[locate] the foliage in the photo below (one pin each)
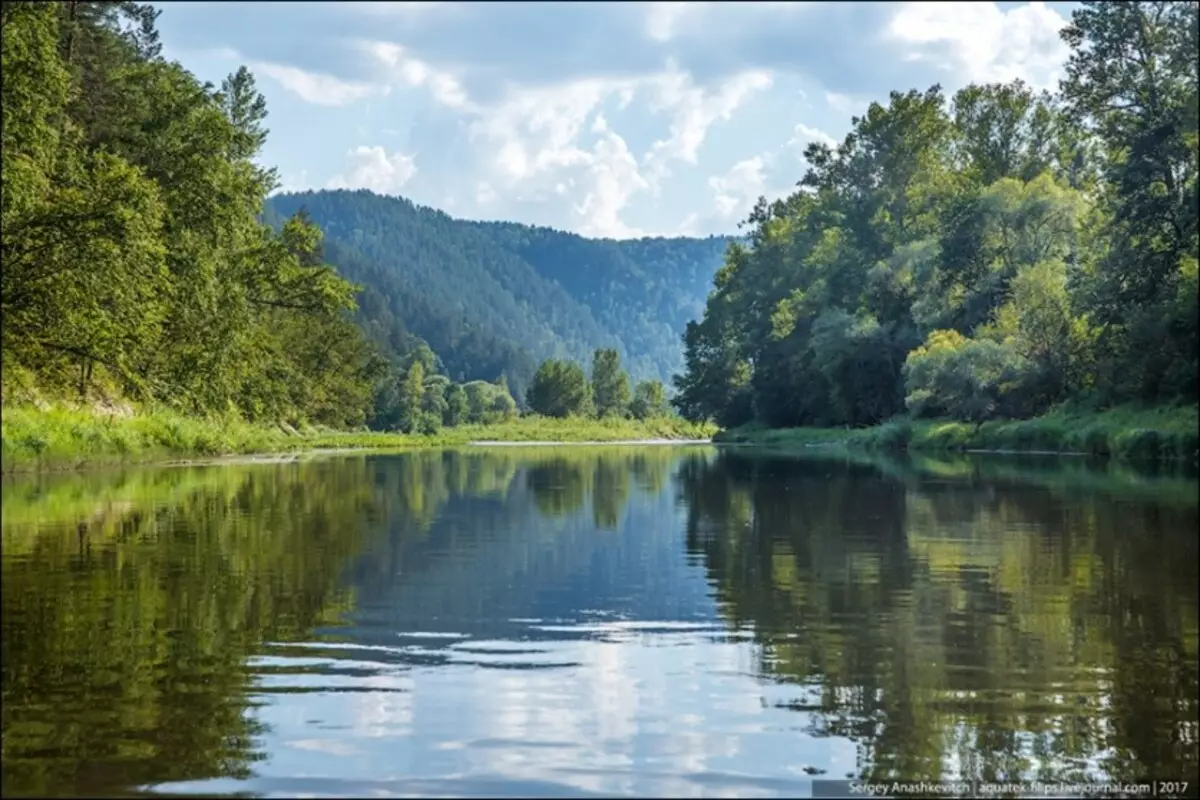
(1164, 434)
(1043, 247)
(64, 438)
(649, 400)
(610, 384)
(560, 389)
(134, 261)
(951, 374)
(143, 261)
(493, 297)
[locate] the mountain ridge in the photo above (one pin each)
(495, 298)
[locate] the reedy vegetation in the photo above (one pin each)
(990, 258)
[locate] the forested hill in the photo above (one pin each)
(497, 297)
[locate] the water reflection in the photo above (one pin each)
(965, 619)
(573, 622)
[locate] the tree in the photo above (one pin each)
(560, 389)
(456, 405)
(649, 400)
(135, 260)
(412, 393)
(610, 384)
(962, 378)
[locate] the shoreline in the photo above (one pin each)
(1168, 435)
(594, 443)
(67, 439)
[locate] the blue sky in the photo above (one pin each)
(608, 119)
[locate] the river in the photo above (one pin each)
(595, 621)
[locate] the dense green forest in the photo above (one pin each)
(990, 256)
(134, 257)
(142, 259)
(498, 297)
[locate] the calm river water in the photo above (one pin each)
(598, 621)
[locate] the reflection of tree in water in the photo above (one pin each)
(532, 551)
(130, 606)
(984, 627)
(562, 483)
(559, 486)
(610, 490)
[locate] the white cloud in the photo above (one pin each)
(662, 19)
(768, 174)
(372, 168)
(694, 112)
(534, 136)
(614, 178)
(323, 90)
(980, 43)
(736, 191)
(803, 134)
(543, 118)
(407, 70)
(389, 8)
(844, 103)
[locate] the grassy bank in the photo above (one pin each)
(65, 438)
(1166, 434)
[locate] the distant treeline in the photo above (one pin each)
(422, 402)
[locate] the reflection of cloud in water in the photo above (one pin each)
(380, 714)
(331, 746)
(536, 656)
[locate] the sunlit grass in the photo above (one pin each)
(65, 438)
(1167, 433)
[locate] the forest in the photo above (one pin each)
(135, 258)
(994, 254)
(499, 297)
(144, 259)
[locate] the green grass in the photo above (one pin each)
(34, 439)
(1156, 434)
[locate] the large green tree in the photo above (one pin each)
(610, 384)
(135, 259)
(560, 389)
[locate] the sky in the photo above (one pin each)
(609, 119)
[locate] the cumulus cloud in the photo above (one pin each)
(662, 18)
(614, 119)
(316, 88)
(771, 174)
(694, 110)
(978, 42)
(613, 178)
(372, 168)
(804, 135)
(736, 191)
(403, 68)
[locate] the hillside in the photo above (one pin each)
(493, 298)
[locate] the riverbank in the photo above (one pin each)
(1159, 434)
(60, 438)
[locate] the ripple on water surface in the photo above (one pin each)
(598, 622)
